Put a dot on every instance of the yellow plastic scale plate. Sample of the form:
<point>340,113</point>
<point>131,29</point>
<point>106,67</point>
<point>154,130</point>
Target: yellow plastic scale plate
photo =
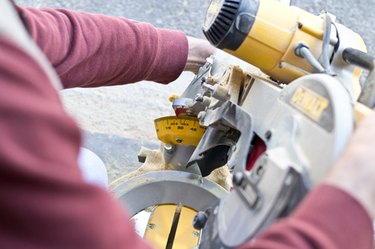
<point>179,130</point>
<point>160,225</point>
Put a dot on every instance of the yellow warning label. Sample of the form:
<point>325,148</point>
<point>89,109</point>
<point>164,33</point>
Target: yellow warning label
<point>309,102</point>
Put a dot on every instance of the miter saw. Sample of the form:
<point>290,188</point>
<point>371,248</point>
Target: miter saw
<point>278,119</point>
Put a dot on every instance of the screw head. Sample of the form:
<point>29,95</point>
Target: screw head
<point>260,170</point>
<point>151,226</point>
<point>199,98</point>
<point>168,149</point>
<point>268,135</point>
<point>195,234</point>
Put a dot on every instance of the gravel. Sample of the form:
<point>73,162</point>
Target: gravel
<point>187,15</point>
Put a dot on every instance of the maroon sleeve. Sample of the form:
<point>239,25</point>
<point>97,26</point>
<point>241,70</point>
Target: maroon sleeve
<point>44,201</point>
<point>327,219</point>
<point>95,50</point>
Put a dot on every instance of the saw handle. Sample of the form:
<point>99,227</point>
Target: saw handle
<point>358,58</point>
<point>366,101</point>
<point>366,61</point>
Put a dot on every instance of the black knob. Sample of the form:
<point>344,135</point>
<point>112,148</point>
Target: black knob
<point>200,220</point>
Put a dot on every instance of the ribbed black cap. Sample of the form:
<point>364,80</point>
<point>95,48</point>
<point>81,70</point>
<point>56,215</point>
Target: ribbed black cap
<point>229,21</point>
<point>216,30</point>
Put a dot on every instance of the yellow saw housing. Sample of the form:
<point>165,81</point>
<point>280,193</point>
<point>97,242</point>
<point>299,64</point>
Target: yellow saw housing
<point>265,33</point>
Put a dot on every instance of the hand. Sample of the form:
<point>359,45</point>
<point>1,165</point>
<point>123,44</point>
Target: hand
<point>199,50</point>
<point>354,172</point>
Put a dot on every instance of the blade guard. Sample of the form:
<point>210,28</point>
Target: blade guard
<point>227,139</point>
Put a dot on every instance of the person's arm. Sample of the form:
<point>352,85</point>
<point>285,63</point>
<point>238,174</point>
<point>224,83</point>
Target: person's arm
<point>45,203</point>
<point>355,170</point>
<point>328,218</point>
<point>95,50</point>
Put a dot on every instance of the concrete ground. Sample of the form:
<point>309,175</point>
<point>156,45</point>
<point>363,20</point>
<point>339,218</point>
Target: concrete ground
<point>118,120</point>
<point>188,15</point>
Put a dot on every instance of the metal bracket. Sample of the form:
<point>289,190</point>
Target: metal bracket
<point>246,189</point>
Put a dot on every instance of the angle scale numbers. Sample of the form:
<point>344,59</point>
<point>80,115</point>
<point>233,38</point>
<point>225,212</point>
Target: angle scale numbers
<point>179,131</point>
